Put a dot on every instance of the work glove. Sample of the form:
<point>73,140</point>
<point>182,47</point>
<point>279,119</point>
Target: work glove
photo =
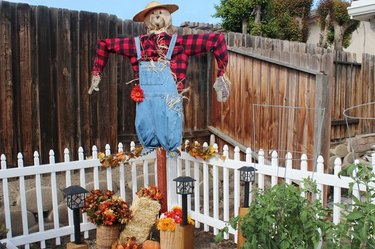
<point>94,83</point>
<point>222,88</point>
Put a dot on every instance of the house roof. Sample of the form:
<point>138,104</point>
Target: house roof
<point>362,10</point>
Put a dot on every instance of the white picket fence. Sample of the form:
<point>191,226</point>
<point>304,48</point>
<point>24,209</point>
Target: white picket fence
<point>217,188</point>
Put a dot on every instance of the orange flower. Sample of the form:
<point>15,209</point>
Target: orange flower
<point>166,224</point>
<point>137,94</point>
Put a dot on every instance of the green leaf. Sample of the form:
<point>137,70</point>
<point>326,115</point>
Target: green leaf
<point>219,236</point>
<point>234,221</point>
<point>363,232</point>
<point>354,216</point>
<point>284,244</point>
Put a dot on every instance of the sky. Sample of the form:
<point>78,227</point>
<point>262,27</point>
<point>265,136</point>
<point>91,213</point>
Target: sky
<point>189,10</point>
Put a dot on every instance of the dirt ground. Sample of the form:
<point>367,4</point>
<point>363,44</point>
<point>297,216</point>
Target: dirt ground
<point>202,240</point>
<point>206,240</point>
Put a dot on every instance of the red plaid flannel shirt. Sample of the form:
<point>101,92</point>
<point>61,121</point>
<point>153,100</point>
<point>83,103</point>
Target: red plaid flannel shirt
<point>186,45</point>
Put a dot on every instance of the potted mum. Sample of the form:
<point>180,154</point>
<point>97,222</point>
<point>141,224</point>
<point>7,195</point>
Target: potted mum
<point>167,225</point>
<point>109,212</point>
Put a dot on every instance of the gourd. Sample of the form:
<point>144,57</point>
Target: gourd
<point>151,244</point>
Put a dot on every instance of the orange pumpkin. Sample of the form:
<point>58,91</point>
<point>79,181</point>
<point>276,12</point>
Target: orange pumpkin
<point>151,244</point>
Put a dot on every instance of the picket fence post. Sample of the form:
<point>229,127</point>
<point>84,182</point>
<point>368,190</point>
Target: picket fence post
<point>249,160</point>
<point>96,169</point>
<point>206,194</point>
<point>25,222</point>
<point>39,198</point>
<point>196,188</point>
<point>303,169</point>
<point>109,169</point>
<point>336,193</point>
<point>288,167</point>
<point>122,173</point>
<point>261,164</point>
<point>55,203</point>
<point>275,166</point>
<point>8,222</point>
<point>226,188</point>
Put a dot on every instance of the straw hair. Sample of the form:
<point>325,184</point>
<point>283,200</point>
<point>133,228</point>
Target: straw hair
<point>140,17</point>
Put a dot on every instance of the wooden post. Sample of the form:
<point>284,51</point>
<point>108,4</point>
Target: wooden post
<point>162,177</point>
<point>241,240</point>
<point>184,236</point>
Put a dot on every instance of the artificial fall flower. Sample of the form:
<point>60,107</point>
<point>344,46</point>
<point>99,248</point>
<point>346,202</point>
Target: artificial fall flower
<point>166,224</point>
<point>137,94</point>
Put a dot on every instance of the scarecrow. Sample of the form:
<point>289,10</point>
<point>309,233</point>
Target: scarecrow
<point>159,60</point>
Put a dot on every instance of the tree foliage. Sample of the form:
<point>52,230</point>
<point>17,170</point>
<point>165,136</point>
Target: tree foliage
<point>234,12</point>
<point>281,19</point>
<point>335,23</point>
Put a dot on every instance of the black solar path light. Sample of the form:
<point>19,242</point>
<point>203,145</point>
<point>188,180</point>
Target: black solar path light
<point>184,232</point>
<point>75,198</point>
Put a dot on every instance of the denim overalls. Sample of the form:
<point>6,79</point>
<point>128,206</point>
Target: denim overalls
<point>158,119</point>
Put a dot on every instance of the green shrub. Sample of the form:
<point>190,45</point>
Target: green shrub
<point>281,218</point>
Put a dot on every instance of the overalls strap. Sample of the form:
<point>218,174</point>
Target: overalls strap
<point>138,47</point>
<point>169,52</point>
<point>171,47</point>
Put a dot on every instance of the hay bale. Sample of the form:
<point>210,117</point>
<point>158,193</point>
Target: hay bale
<point>145,211</point>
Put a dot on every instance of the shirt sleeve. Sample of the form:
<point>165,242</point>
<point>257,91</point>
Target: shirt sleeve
<point>122,46</point>
<point>209,42</point>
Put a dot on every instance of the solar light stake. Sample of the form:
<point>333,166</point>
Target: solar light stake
<point>184,187</point>
<point>247,175</point>
<point>184,231</point>
<point>75,198</point>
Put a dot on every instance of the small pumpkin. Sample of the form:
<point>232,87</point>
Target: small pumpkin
<point>151,244</point>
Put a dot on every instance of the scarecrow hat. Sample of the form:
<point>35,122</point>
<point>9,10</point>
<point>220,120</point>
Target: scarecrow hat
<point>140,17</point>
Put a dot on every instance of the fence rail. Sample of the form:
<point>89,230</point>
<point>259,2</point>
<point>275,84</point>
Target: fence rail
<point>216,198</point>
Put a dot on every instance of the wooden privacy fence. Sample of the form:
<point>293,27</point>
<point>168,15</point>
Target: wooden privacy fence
<point>46,59</point>
<point>351,83</point>
<point>275,106</point>
<point>217,189</point>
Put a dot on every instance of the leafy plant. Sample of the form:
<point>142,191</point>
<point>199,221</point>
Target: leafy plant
<point>357,226</point>
<point>280,217</point>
